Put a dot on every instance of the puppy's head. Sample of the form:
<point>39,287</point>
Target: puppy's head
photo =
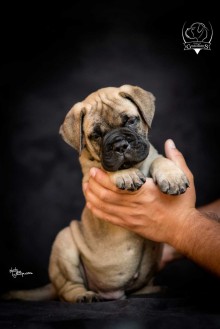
<point>112,124</point>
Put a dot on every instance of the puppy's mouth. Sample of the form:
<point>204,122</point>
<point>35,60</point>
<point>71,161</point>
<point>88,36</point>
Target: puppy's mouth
<point>123,148</point>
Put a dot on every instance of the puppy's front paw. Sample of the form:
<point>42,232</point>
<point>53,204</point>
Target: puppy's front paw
<point>172,182</point>
<point>169,178</point>
<point>129,179</point>
<point>88,297</point>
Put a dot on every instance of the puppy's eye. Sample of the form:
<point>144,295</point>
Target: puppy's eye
<point>95,136</point>
<point>131,121</point>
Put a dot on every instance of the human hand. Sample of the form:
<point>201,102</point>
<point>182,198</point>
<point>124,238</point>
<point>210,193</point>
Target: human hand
<point>148,211</point>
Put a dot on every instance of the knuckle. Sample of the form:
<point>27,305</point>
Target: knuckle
<point>108,218</point>
<point>103,194</point>
<point>179,154</point>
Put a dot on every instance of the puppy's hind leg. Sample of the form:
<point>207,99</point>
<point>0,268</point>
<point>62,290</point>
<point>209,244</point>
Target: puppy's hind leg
<point>66,273</point>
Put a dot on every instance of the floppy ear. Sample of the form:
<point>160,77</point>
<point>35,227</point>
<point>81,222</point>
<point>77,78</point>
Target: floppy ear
<point>72,128</point>
<point>143,99</point>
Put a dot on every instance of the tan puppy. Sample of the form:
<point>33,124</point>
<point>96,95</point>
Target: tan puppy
<point>92,259</point>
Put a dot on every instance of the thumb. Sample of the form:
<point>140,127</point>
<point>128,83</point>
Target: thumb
<point>174,154</point>
<point>102,178</point>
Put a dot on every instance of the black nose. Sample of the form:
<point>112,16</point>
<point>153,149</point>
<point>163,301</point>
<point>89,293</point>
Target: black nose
<point>120,146</point>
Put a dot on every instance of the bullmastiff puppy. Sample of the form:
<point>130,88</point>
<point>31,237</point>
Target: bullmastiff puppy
<point>91,259</point>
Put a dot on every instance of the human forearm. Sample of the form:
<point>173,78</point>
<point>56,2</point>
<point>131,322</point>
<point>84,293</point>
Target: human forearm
<point>199,240</point>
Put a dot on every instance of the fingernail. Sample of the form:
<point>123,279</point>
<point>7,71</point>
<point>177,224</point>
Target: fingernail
<point>93,172</point>
<point>88,205</point>
<point>171,144</point>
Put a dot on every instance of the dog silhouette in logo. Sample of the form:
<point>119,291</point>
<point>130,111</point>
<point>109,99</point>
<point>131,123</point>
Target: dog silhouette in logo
<point>197,32</point>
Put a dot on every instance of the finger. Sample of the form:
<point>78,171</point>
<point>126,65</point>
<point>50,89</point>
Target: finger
<point>85,186</point>
<point>105,195</point>
<point>99,196</point>
<point>116,217</point>
<point>99,213</point>
<point>177,157</point>
<point>102,178</point>
<point>105,213</point>
<point>174,154</point>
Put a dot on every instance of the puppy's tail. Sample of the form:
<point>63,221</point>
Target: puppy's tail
<point>47,292</point>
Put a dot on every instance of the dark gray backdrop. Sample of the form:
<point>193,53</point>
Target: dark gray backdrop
<point>55,56</point>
